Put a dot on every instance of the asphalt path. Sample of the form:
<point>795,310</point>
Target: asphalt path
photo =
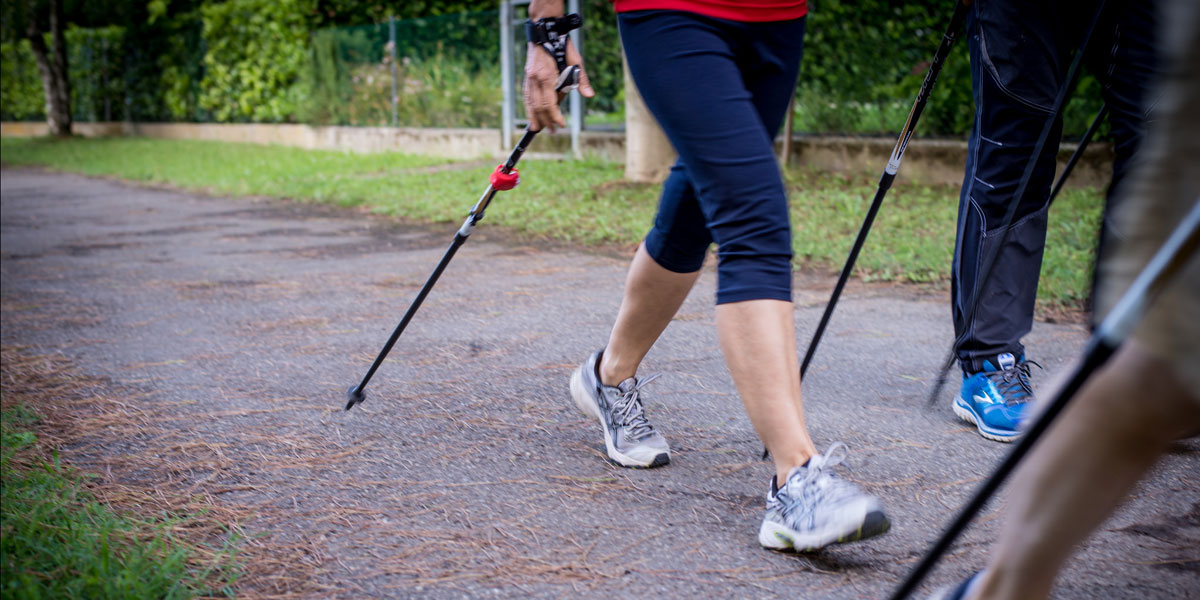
<point>468,471</point>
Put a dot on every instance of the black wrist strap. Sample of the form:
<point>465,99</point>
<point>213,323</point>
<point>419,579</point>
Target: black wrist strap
<point>551,35</point>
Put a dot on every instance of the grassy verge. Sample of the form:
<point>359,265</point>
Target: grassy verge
<point>581,202</point>
<point>59,542</point>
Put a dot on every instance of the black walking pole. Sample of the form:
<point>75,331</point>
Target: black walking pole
<point>889,172</point>
<point>502,176</point>
<point>553,38</point>
<point>1170,258</point>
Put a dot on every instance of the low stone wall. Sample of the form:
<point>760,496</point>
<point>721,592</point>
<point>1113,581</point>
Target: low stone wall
<point>925,161</point>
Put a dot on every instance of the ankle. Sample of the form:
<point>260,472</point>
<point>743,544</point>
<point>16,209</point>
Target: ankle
<point>784,466</point>
<point>612,372</point>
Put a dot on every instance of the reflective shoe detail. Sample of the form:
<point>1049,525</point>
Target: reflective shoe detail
<point>996,400</point>
<point>815,508</point>
<point>629,438</point>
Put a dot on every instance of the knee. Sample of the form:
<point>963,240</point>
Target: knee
<point>756,264</point>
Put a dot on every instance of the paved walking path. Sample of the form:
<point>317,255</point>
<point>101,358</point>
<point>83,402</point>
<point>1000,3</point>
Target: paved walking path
<point>234,326</point>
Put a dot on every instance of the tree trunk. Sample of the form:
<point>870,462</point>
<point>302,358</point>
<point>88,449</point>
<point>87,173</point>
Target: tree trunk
<point>52,65</point>
<point>648,154</point>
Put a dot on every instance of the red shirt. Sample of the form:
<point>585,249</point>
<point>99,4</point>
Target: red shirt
<point>733,10</point>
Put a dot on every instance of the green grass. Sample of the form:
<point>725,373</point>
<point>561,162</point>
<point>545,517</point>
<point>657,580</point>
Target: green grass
<point>59,542</point>
<point>582,202</point>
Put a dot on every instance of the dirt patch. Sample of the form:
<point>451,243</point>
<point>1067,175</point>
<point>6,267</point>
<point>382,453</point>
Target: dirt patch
<point>153,470</point>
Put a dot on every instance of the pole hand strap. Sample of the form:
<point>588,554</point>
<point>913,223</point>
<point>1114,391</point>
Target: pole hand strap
<point>550,34</point>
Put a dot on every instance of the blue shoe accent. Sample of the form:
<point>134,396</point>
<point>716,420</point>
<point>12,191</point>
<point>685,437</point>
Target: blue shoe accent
<point>997,399</point>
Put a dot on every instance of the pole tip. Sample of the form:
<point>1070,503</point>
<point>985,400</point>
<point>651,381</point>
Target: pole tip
<point>354,395</point>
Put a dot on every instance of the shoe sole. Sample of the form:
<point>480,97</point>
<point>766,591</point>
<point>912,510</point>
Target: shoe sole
<point>774,536</point>
<point>967,414</point>
<point>587,405</point>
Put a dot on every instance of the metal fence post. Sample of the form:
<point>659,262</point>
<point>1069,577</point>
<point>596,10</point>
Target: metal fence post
<point>507,115</point>
<point>576,100</point>
<point>395,71</point>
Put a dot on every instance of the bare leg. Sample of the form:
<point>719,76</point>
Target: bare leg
<point>1120,423</point>
<point>759,342</point>
<point>652,297</point>
<point>757,338</point>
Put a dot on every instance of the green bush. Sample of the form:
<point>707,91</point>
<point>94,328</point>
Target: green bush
<point>864,56</point>
<point>21,96</point>
<point>256,52</point>
<point>602,47</point>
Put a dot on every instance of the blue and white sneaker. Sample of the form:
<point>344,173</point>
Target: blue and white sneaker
<point>997,399</point>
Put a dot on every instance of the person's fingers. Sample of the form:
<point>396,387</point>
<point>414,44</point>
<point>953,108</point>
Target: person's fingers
<point>527,91</point>
<point>541,99</point>
<point>585,85</point>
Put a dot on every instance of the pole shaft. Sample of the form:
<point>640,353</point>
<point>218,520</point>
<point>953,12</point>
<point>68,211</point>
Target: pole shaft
<point>459,239</point>
<point>889,173</point>
<point>885,182</point>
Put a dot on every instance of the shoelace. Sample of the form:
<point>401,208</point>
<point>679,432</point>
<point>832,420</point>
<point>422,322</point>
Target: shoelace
<point>816,481</point>
<point>628,411</point>
<point>1013,384</point>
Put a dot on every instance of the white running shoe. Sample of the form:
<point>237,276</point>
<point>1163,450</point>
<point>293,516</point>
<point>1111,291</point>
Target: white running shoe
<point>814,508</point>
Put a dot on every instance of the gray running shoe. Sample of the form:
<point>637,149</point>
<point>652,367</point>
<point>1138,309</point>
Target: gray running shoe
<point>629,438</point>
<point>815,508</point>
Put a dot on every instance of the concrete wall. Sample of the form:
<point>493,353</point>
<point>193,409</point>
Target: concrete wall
<point>925,161</point>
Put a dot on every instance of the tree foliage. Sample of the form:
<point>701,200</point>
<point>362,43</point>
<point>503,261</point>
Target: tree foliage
<point>259,60</point>
<point>256,51</point>
<point>340,13</point>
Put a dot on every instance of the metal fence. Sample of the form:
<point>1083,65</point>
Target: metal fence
<point>432,72</point>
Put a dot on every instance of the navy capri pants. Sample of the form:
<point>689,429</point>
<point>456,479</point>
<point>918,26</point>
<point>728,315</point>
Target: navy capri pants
<point>720,90</point>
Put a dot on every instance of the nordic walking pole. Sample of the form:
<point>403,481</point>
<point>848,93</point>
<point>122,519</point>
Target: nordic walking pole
<point>889,172</point>
<point>1170,258</point>
<point>505,177</point>
<point>505,174</point>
